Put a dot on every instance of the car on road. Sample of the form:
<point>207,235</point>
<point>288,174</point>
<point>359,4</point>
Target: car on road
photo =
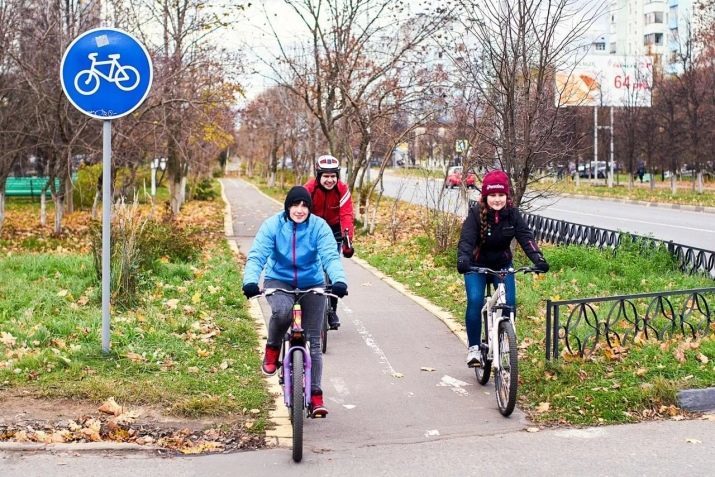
<point>455,178</point>
<point>584,170</point>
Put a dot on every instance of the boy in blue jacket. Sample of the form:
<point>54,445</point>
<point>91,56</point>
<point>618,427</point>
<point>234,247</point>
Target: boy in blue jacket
<point>293,247</point>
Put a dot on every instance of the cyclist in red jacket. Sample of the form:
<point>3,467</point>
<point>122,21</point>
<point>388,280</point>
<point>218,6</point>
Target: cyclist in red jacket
<point>332,201</point>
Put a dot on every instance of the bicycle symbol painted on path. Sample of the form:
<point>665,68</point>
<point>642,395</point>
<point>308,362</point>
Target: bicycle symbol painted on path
<point>124,76</point>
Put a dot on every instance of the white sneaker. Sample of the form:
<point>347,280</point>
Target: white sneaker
<point>474,356</point>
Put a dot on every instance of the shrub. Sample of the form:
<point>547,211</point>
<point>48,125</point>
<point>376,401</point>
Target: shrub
<point>85,186</point>
<point>205,189</point>
<point>165,239</point>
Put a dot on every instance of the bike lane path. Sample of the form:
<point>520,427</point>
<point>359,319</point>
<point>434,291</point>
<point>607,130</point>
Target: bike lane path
<point>394,372</point>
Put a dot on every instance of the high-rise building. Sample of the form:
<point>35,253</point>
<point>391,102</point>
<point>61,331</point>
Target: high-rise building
<point>662,29</point>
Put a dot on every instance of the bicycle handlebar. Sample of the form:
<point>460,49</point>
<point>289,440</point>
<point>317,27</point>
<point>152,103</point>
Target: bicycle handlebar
<point>325,291</point>
<point>504,272</point>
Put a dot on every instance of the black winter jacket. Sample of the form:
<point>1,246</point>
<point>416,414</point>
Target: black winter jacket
<point>495,251</point>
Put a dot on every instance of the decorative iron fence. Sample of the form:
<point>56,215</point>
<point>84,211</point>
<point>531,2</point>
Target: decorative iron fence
<point>690,259</point>
<point>619,320</point>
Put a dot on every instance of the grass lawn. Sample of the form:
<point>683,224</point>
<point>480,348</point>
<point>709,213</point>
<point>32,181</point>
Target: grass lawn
<point>188,347</point>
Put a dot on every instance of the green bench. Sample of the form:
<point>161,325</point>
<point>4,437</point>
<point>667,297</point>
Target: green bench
<point>27,186</point>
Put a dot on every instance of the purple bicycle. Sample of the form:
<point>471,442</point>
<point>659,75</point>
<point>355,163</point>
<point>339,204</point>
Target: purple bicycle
<point>295,367</point>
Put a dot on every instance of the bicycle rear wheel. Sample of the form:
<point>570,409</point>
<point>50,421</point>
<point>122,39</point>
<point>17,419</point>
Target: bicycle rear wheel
<point>484,370</point>
<point>298,404</point>
<point>506,379</point>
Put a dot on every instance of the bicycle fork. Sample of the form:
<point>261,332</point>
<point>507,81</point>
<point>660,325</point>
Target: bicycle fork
<point>296,342</point>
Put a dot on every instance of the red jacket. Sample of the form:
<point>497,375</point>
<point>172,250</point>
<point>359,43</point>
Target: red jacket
<point>335,205</point>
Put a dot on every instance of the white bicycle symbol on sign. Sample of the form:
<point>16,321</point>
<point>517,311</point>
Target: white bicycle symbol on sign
<point>125,77</point>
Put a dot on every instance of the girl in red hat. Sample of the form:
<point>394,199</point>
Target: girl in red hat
<point>485,241</point>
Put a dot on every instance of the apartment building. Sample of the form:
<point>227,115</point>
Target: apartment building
<point>662,29</point>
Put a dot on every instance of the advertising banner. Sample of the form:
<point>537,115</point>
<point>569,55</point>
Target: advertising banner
<point>606,80</point>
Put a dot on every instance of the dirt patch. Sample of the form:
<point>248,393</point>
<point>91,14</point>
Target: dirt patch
<point>24,418</point>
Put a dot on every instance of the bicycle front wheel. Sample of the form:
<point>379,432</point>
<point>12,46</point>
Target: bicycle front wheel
<point>506,378</point>
<point>298,404</point>
<point>484,370</point>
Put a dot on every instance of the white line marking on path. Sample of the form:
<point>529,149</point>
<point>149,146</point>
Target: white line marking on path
<point>372,344</point>
<point>454,384</point>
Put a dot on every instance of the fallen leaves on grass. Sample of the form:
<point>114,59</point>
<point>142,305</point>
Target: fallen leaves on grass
<point>123,427</point>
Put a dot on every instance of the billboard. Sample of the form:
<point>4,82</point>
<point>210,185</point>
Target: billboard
<point>606,80</point>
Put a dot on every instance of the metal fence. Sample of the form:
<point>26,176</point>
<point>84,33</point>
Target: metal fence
<point>690,259</point>
<point>620,320</point>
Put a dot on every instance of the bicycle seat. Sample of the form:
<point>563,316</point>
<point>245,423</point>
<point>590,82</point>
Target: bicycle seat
<point>114,56</point>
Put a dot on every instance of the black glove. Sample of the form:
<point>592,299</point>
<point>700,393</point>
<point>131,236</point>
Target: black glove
<point>251,290</point>
<point>541,266</point>
<point>339,289</point>
<point>348,251</point>
<point>463,265</point>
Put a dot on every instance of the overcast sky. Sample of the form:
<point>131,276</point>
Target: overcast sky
<point>252,34</point>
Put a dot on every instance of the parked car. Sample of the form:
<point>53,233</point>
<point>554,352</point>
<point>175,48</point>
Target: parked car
<point>455,178</point>
<point>584,170</point>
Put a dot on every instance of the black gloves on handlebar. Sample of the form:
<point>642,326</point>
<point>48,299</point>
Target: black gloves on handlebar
<point>339,289</point>
<point>348,251</point>
<point>251,290</point>
<point>541,266</point>
<point>463,265</point>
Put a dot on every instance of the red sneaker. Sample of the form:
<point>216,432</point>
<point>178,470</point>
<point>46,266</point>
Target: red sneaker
<point>270,360</point>
<point>317,408</point>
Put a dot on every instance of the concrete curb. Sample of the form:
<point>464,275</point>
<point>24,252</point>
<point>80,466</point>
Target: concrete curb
<point>662,205</point>
<point>281,434</point>
<point>78,447</point>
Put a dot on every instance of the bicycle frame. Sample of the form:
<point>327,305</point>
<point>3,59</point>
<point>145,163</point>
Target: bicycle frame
<point>113,62</point>
<point>493,304</point>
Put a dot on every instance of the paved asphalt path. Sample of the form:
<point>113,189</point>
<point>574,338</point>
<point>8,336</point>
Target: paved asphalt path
<point>389,417</point>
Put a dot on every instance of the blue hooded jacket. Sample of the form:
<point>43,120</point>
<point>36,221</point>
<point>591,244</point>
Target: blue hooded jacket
<point>294,253</point>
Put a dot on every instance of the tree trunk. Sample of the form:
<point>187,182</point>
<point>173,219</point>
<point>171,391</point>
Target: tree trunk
<point>69,199</point>
<point>59,212</point>
<point>2,209</point>
<point>95,203</point>
<point>43,209</point>
<point>175,194</point>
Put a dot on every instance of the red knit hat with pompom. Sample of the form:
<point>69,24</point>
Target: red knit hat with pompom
<point>495,182</point>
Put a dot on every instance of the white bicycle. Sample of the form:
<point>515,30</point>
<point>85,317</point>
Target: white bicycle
<point>499,340</point>
<point>125,77</point>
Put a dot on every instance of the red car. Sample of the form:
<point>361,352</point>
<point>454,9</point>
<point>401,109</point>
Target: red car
<point>455,178</point>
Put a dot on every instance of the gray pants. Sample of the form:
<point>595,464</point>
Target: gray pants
<point>313,308</point>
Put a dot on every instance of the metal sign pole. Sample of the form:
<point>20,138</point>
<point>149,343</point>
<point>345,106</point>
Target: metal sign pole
<point>106,229</point>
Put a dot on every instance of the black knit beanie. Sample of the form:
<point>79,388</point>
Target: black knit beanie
<point>298,194</point>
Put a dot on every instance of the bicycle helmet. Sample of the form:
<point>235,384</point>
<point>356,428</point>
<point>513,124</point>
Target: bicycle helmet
<point>327,163</point>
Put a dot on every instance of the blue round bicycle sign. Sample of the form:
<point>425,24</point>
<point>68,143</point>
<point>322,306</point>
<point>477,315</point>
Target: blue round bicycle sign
<point>106,73</point>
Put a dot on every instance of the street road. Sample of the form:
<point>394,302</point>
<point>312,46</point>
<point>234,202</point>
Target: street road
<point>695,229</point>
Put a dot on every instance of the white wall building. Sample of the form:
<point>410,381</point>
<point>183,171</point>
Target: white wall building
<point>661,29</point>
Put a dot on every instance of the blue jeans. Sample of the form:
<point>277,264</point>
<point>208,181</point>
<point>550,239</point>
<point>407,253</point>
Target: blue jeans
<point>475,285</point>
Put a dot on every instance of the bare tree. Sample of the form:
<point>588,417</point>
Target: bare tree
<point>513,49</point>
<point>354,49</point>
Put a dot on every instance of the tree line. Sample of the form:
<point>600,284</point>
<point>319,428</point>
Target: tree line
<point>469,83</point>
<point>188,117</point>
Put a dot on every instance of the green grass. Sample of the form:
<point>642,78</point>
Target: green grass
<point>189,346</point>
